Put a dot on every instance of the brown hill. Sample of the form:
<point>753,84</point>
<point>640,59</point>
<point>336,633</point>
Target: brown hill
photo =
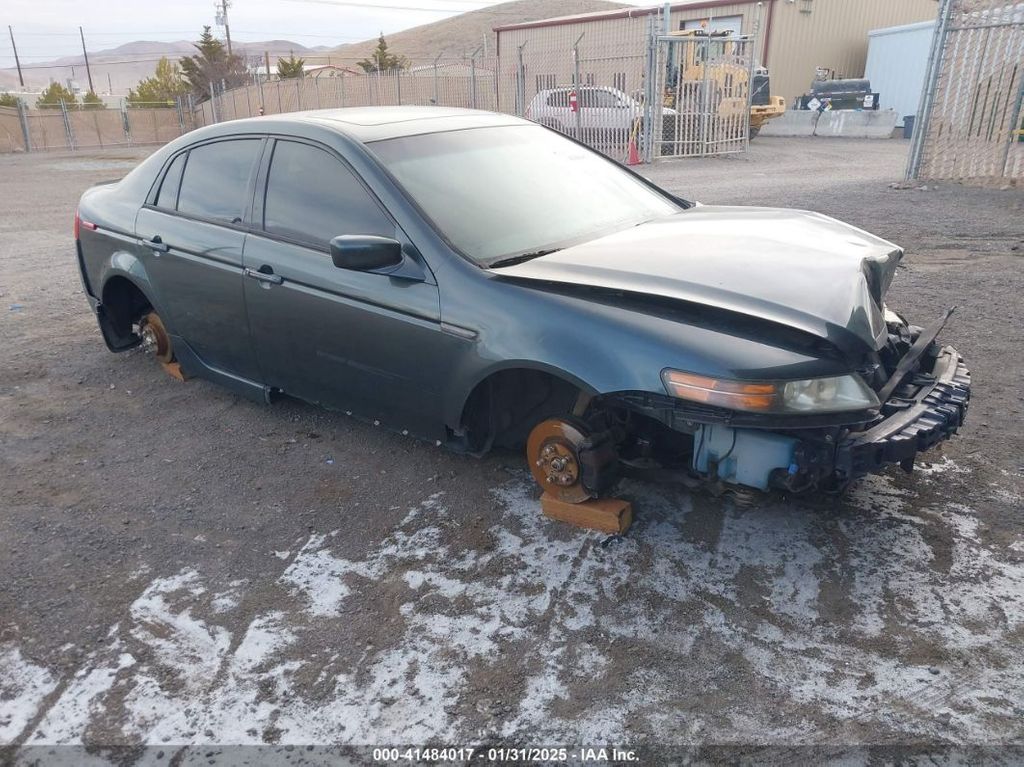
<point>459,36</point>
<point>131,62</point>
<point>453,37</point>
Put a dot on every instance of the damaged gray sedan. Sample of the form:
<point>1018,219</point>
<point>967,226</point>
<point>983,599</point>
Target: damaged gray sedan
<point>478,280</point>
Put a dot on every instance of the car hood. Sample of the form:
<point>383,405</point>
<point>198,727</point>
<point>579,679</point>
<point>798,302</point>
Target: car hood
<point>791,267</point>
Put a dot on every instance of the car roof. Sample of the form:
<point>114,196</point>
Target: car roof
<point>366,124</point>
<point>570,88</point>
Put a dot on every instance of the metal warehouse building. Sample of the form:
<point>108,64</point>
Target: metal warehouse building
<point>793,38</point>
<point>897,62</point>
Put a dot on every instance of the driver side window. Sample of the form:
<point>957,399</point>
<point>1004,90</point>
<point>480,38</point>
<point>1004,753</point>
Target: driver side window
<point>313,197</point>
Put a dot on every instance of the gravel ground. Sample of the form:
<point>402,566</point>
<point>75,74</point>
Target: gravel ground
<point>178,565</point>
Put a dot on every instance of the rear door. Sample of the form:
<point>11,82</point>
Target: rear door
<point>191,234</point>
<point>605,114</point>
<point>349,340</point>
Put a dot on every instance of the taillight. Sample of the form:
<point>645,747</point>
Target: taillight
<point>79,223</point>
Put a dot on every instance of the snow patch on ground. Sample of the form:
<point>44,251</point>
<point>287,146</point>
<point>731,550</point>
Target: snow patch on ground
<point>23,686</point>
<point>815,604</point>
<point>68,719</point>
<point>934,469</point>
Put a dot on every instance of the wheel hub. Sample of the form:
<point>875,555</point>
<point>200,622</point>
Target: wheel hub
<point>155,339</point>
<point>553,452</point>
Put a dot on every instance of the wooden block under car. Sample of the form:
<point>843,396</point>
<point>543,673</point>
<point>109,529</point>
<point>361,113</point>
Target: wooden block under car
<point>609,515</point>
<point>174,371</point>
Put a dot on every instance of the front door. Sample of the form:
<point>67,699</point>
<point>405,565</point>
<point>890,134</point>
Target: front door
<point>349,340</point>
<point>191,239</point>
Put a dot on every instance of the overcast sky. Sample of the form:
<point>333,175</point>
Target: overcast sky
<point>46,29</point>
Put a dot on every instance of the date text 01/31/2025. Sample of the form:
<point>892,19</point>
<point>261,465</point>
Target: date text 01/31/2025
<point>503,754</point>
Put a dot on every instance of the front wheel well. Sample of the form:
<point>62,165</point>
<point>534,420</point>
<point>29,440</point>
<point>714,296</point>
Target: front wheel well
<point>124,304</point>
<point>503,408</point>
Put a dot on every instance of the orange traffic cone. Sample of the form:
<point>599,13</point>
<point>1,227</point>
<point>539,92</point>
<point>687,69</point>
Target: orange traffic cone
<point>634,154</point>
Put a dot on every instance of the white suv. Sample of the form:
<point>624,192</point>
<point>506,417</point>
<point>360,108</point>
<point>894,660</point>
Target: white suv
<point>603,111</point>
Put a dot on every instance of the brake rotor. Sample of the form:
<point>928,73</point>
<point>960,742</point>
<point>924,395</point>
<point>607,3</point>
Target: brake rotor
<point>155,339</point>
<point>553,452</point>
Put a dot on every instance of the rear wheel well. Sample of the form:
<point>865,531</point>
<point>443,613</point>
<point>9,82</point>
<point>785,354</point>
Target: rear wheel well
<point>505,406</point>
<point>123,305</point>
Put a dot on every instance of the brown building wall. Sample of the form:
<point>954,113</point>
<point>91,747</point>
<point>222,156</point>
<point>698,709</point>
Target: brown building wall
<point>794,37</point>
<point>830,33</point>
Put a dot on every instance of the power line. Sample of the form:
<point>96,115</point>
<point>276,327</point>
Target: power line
<point>47,57</point>
<point>96,57</point>
<point>352,4</point>
<point>261,43</point>
<point>99,64</point>
<point>94,34</point>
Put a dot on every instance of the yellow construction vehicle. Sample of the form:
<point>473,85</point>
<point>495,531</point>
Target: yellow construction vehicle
<point>712,76</point>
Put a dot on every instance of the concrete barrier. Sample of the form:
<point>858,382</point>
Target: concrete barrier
<point>791,123</point>
<point>840,123</point>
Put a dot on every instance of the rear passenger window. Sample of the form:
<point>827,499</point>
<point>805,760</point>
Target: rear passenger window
<point>216,179</point>
<point>559,99</point>
<point>312,197</point>
<point>602,99</point>
<point>168,196</point>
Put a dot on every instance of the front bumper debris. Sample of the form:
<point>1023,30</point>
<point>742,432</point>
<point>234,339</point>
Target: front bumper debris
<point>933,415</point>
<point>801,454</point>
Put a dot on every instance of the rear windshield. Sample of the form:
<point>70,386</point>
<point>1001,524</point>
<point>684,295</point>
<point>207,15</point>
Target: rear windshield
<point>497,193</point>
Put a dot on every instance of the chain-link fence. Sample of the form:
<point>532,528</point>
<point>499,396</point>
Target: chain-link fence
<point>466,83</point>
<point>588,85</point>
<point>634,90</point>
<point>74,127</point>
<point>12,136</point>
<point>972,111</point>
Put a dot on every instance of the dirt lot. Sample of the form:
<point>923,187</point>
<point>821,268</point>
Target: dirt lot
<point>179,565</point>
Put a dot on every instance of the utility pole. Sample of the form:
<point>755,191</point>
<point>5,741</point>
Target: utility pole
<point>17,61</point>
<point>266,58</point>
<point>224,4</point>
<point>85,55</point>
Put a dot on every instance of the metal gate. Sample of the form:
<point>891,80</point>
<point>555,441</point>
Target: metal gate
<point>971,121</point>
<point>701,96</point>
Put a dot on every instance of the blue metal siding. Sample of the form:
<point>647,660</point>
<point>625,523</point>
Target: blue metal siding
<point>897,59</point>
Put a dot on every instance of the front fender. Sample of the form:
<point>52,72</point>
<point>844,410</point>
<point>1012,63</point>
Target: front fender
<point>458,396</point>
<point>605,344</point>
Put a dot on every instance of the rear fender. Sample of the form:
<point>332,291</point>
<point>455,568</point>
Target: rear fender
<point>125,264</point>
<point>127,267</point>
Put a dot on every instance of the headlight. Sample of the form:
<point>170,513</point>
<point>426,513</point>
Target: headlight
<point>836,394</point>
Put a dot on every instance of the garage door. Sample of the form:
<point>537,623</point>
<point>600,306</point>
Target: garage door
<point>732,24</point>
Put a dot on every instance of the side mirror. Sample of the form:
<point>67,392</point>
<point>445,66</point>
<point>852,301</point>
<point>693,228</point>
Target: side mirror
<point>365,252</point>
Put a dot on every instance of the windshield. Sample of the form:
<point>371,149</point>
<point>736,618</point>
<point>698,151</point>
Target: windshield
<point>498,193</point>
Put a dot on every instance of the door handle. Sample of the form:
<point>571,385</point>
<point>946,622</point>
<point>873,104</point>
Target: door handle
<point>157,244</point>
<point>268,277</point>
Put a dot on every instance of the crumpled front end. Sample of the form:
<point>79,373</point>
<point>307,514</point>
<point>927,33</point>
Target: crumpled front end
<point>924,390</point>
<point>929,409</point>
